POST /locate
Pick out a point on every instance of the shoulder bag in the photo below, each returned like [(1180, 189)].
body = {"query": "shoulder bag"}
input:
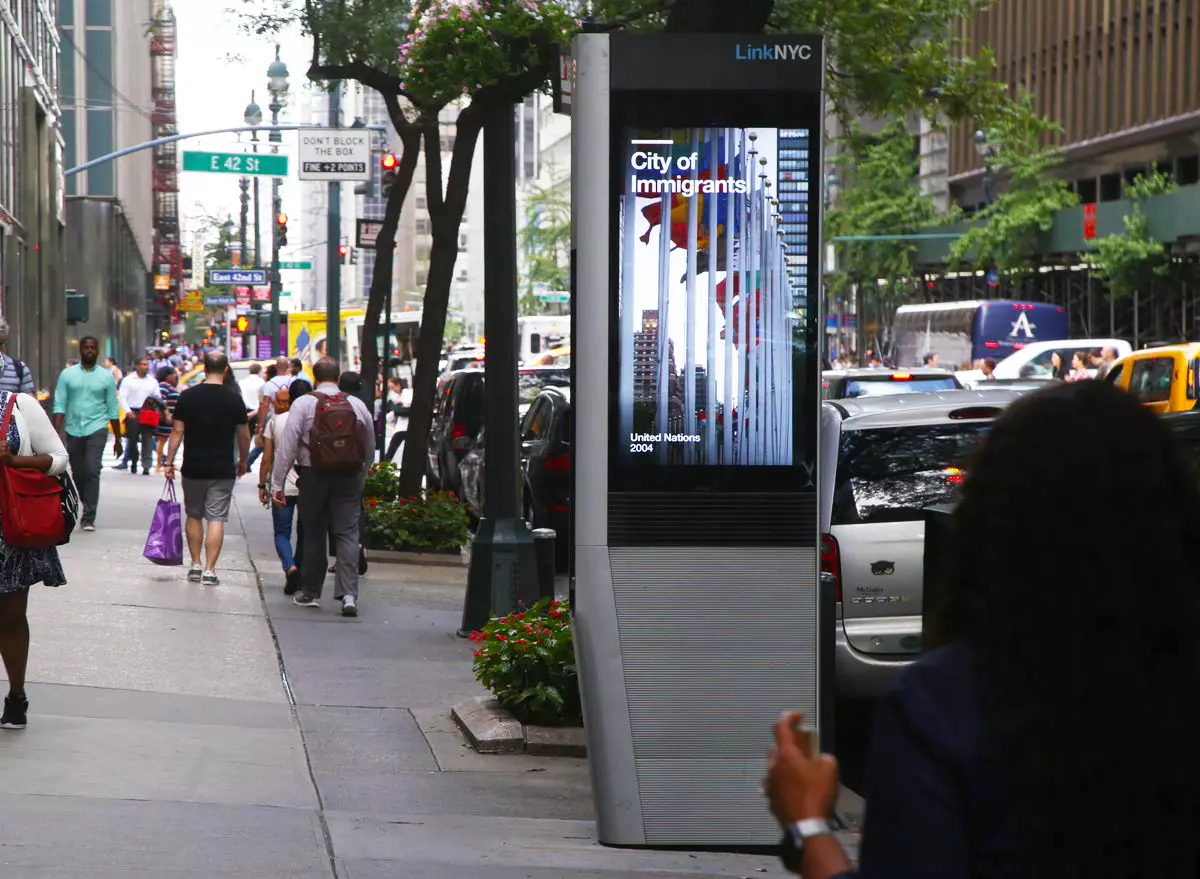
[(31, 511)]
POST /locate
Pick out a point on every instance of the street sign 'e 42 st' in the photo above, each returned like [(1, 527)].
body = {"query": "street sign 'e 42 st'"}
[(236, 163)]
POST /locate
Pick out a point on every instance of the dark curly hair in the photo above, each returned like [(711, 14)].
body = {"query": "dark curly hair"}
[(1087, 629)]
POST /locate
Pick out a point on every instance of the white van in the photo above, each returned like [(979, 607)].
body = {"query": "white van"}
[(1033, 361), (537, 334)]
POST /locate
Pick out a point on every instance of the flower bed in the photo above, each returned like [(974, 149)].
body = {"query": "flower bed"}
[(383, 482), (434, 521), (527, 660)]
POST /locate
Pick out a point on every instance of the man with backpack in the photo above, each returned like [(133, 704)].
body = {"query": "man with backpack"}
[(274, 394), (15, 376), (330, 440)]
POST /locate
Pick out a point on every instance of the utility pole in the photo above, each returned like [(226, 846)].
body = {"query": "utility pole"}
[(333, 236), (277, 75), (244, 186), (503, 566)]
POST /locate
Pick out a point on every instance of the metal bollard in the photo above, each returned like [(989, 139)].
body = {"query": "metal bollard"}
[(543, 550)]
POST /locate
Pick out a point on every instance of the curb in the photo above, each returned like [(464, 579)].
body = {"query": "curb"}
[(492, 730)]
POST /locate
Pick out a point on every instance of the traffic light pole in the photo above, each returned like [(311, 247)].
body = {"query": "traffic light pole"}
[(277, 206), (333, 276)]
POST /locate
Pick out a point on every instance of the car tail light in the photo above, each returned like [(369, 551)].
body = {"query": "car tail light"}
[(560, 508), (458, 437), (901, 376), (558, 463), (954, 476), (831, 563), (991, 344)]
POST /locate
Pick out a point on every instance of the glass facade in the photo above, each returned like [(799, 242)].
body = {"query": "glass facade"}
[(88, 71), (36, 65)]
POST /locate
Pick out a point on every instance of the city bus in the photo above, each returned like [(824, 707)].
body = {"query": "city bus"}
[(961, 333)]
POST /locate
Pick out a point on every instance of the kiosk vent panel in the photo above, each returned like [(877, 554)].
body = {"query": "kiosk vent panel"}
[(691, 622)]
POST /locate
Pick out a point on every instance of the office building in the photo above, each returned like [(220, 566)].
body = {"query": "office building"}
[(31, 182), (111, 94)]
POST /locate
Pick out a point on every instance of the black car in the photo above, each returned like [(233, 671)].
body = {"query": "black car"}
[(546, 433), (470, 473), (457, 420)]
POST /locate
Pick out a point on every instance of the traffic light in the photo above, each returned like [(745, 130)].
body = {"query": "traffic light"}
[(243, 323), (353, 257), (343, 249), (281, 228), (387, 164)]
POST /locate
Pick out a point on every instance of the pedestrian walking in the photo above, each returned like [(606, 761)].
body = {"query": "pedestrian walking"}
[(85, 401), (111, 365), (168, 394), (208, 421), (396, 408), (998, 753), (251, 390), (282, 515), (135, 390), (329, 436), (274, 391), (14, 375), (30, 443)]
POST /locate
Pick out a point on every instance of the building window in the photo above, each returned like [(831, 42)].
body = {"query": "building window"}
[(1086, 189), (1110, 187), (100, 143), (422, 226), (99, 69), (422, 278), (421, 203), (422, 254), (66, 13), (1188, 170), (462, 243), (98, 13), (68, 133), (66, 75)]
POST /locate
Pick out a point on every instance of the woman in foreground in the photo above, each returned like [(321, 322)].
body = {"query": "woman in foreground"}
[(1052, 732)]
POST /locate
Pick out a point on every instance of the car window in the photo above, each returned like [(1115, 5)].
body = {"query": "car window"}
[(1040, 365), (565, 425), (536, 421), (531, 382), (887, 386), (891, 474), (1114, 374), (1150, 379)]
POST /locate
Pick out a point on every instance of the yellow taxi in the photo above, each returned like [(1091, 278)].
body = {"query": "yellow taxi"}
[(1164, 379)]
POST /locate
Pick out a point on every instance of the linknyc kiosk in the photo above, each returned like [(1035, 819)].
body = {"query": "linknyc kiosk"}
[(696, 237)]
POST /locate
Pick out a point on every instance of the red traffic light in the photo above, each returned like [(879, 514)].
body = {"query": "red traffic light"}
[(281, 219), (343, 250), (388, 162)]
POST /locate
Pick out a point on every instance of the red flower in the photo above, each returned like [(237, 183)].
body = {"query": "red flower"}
[(478, 653), (554, 614), (500, 637)]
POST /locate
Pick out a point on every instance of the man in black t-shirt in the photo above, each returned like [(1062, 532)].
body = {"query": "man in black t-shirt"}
[(208, 418)]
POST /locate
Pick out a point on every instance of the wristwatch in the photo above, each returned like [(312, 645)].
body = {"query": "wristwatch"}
[(792, 847)]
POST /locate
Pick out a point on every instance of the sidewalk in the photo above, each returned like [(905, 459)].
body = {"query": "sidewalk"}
[(164, 741)]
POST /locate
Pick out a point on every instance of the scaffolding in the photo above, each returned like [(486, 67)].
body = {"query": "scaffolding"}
[(168, 255)]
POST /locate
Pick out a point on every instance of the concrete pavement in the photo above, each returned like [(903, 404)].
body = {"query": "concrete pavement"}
[(187, 731)]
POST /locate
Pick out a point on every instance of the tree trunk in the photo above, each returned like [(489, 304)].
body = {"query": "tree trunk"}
[(385, 256), (719, 16), (445, 214)]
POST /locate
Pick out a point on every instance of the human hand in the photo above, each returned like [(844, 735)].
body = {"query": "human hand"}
[(242, 468), (280, 500), (117, 450), (264, 497), (799, 784), (169, 472)]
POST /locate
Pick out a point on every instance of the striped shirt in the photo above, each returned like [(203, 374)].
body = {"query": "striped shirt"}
[(169, 394), (15, 376)]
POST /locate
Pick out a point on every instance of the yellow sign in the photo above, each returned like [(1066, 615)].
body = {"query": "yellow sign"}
[(162, 282), (307, 331), (192, 302)]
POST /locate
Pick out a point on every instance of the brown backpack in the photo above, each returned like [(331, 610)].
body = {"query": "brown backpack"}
[(335, 442)]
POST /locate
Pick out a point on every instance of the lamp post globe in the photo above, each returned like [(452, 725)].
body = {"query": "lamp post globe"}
[(227, 228), (981, 141), (253, 114), (277, 75)]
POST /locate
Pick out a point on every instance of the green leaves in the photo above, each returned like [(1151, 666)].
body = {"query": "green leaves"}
[(527, 660), (1006, 234), (545, 240), (1128, 261), (436, 520)]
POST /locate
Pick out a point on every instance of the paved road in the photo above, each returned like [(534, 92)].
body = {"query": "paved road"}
[(165, 741)]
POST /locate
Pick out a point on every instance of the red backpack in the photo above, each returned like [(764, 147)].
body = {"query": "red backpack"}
[(335, 442)]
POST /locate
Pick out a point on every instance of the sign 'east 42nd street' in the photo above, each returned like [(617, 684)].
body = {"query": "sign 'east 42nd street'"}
[(236, 163)]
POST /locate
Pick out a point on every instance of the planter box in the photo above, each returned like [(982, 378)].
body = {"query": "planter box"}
[(492, 730), (449, 558)]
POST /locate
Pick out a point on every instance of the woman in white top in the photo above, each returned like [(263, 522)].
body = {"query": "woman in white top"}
[(282, 516), (32, 443)]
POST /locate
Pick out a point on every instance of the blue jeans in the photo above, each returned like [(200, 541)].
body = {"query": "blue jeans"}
[(282, 518)]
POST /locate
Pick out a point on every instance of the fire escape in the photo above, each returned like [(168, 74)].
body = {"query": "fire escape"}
[(168, 255)]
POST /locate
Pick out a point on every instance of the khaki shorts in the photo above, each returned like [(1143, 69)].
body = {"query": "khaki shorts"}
[(207, 498)]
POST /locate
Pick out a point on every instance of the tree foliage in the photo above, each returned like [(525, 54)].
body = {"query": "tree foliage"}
[(1126, 261), (1005, 235), (546, 245)]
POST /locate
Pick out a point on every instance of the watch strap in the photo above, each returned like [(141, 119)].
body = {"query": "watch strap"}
[(808, 828)]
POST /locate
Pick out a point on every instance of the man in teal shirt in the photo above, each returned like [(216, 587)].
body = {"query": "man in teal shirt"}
[(85, 406)]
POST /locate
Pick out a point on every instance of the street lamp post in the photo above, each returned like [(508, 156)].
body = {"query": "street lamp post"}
[(277, 85), (988, 153), (253, 116)]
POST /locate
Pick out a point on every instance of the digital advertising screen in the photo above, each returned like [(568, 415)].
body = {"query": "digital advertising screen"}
[(716, 256)]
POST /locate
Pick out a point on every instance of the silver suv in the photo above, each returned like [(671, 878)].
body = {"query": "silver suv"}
[(883, 461)]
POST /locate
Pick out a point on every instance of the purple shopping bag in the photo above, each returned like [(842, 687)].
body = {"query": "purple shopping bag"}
[(164, 545)]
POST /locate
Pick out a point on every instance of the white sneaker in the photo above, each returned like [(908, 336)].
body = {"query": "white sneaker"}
[(349, 606), (195, 572), (210, 578)]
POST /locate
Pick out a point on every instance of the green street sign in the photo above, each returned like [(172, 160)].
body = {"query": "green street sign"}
[(554, 297), (297, 264), (236, 163)]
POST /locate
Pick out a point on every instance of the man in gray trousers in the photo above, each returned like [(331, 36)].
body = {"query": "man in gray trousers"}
[(330, 502)]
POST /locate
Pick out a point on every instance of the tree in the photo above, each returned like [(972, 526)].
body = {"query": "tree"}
[(546, 243), (421, 57), (1127, 260), (881, 198), (1005, 236)]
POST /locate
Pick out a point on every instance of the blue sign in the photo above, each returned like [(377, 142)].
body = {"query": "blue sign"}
[(993, 279), (237, 277), (219, 301)]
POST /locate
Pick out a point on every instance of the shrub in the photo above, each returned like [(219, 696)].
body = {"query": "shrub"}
[(383, 482), (431, 521), (527, 661)]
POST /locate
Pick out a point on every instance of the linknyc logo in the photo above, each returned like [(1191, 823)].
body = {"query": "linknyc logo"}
[(777, 52)]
